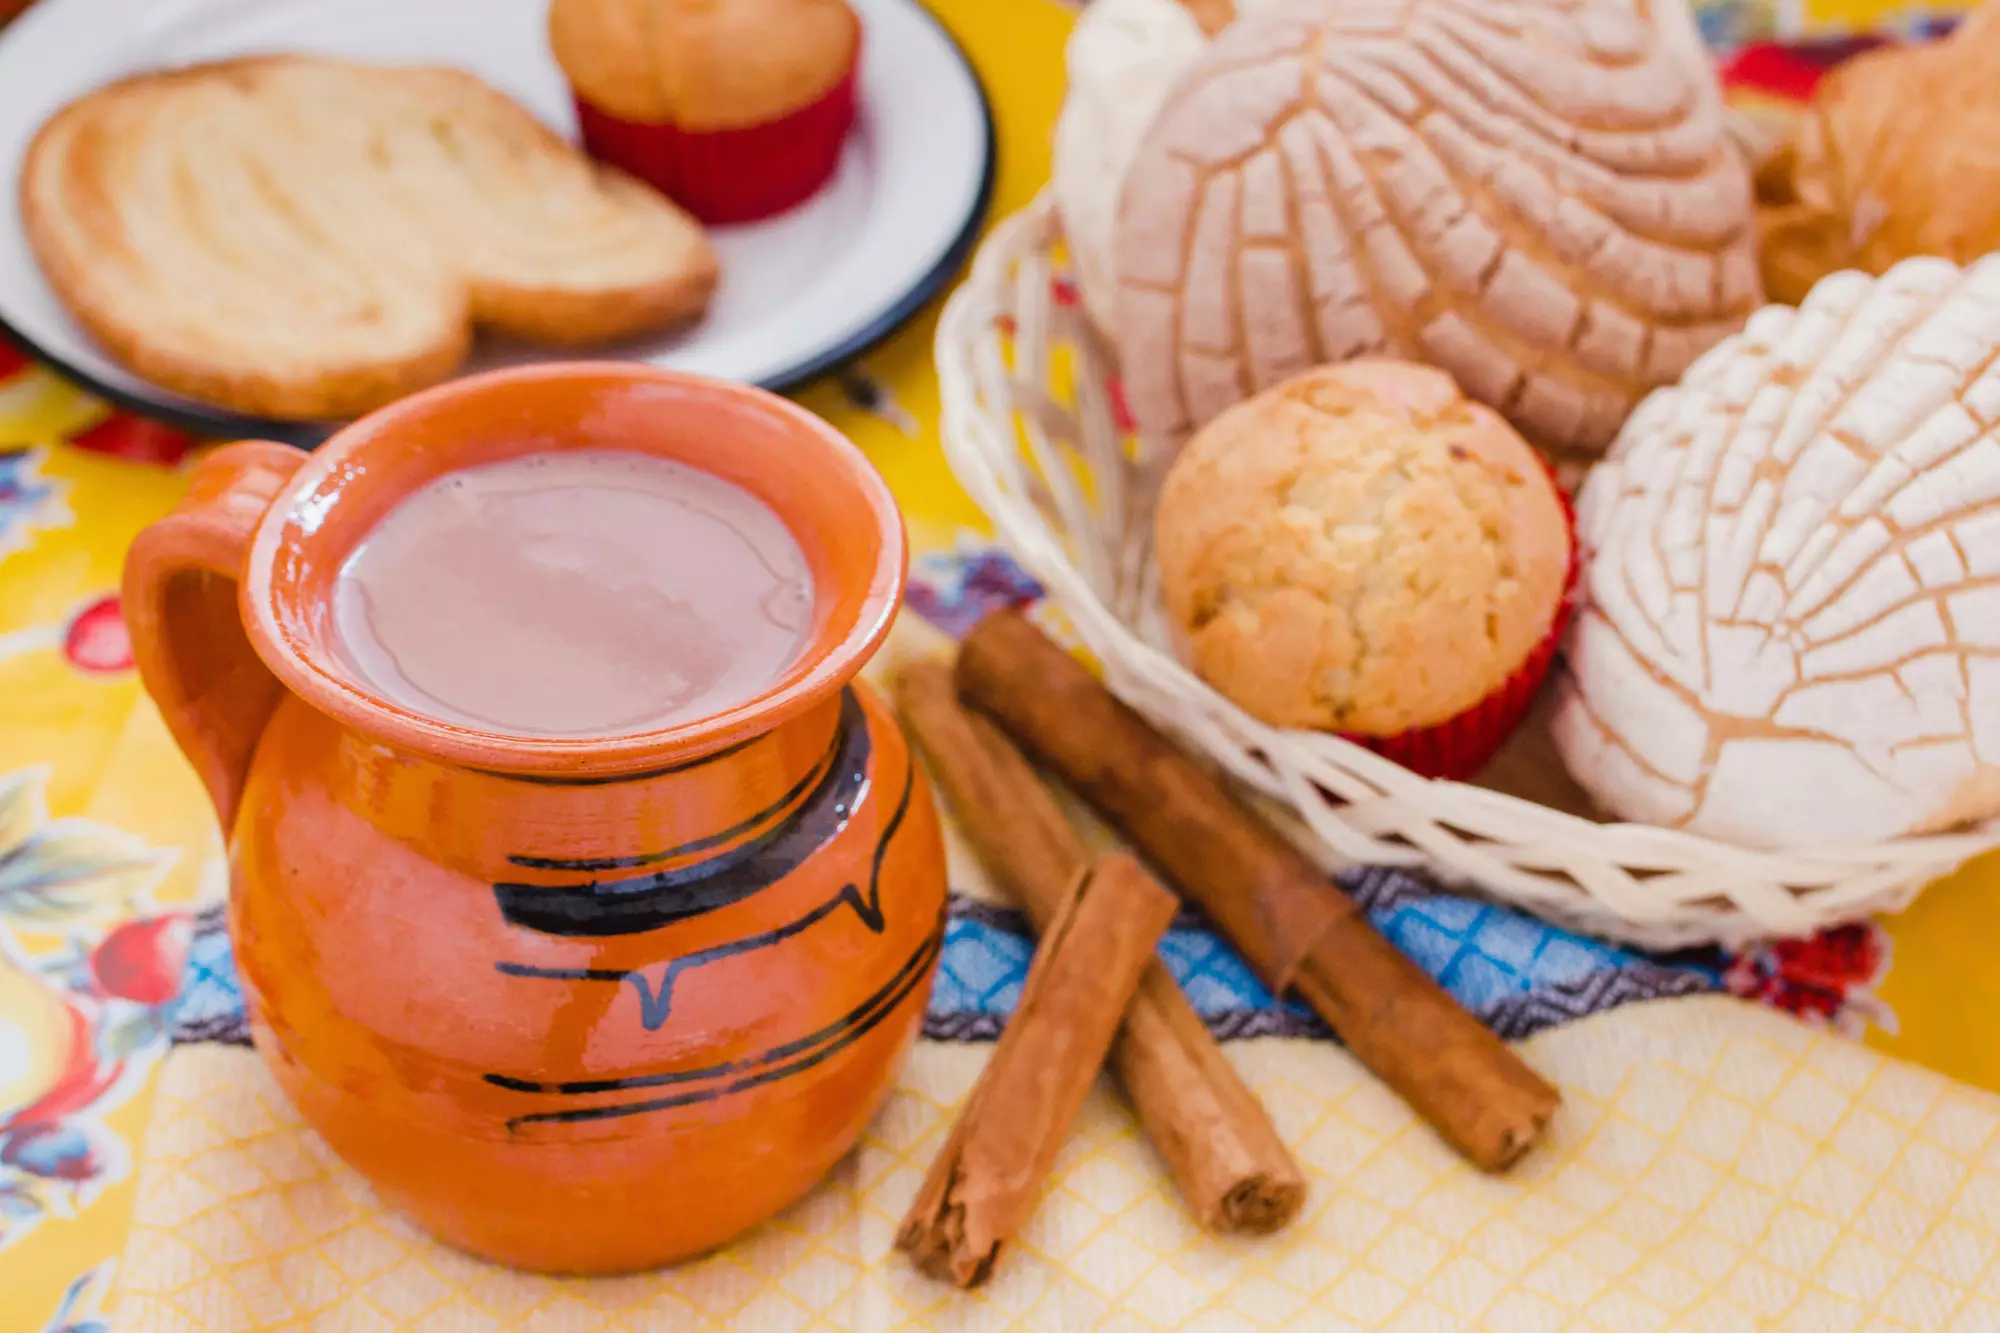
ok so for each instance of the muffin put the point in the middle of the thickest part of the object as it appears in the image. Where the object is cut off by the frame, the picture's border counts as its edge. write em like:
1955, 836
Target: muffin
1363, 550
736, 109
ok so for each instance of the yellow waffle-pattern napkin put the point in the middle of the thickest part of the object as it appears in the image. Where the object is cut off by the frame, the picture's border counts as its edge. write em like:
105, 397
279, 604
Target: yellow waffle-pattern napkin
1716, 1167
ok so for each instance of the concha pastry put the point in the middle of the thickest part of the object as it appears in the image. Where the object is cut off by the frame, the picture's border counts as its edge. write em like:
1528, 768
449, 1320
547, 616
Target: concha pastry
1792, 628
1539, 197
1123, 58
1885, 164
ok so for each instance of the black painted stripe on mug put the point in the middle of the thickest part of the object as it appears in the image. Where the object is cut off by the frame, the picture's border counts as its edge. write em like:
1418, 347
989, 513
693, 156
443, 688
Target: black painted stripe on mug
613, 779
648, 902
860, 1013
656, 1003
821, 771
913, 976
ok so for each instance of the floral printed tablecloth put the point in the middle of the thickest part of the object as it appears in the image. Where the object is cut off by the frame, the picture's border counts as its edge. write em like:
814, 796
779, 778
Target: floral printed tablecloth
110, 864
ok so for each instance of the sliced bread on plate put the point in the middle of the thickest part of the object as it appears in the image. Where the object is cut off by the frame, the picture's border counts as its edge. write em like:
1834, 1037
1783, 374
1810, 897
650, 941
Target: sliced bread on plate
308, 238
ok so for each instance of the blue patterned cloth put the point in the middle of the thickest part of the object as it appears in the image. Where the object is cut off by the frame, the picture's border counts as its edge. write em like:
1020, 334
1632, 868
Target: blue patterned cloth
211, 999
25, 495
1516, 973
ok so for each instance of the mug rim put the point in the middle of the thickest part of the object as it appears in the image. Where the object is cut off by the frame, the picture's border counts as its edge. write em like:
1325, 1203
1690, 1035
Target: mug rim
824, 666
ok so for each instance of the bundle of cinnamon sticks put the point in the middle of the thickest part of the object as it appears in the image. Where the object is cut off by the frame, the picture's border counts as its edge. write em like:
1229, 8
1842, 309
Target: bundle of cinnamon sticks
1095, 988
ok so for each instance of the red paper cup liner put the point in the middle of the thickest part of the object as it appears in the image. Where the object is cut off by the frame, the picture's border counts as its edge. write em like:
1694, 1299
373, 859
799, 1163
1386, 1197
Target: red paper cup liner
1457, 748
736, 175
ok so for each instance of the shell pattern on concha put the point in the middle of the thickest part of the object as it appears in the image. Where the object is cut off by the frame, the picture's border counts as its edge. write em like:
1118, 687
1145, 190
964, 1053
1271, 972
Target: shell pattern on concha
1123, 58
1537, 196
1791, 634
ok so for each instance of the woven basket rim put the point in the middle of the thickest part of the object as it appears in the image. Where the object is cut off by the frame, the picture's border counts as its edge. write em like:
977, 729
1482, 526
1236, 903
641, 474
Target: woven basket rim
1570, 868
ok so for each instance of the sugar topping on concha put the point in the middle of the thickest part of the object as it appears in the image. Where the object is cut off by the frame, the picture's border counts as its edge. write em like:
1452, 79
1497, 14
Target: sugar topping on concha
1791, 635
1538, 197
1123, 57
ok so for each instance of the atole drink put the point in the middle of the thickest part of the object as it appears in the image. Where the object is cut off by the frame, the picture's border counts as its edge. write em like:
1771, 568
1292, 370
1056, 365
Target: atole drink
592, 592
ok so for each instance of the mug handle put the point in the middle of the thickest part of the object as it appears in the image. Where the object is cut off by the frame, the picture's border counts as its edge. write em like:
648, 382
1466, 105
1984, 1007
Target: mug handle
180, 604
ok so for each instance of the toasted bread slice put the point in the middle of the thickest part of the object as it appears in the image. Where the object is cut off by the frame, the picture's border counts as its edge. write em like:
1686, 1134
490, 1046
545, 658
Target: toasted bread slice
309, 239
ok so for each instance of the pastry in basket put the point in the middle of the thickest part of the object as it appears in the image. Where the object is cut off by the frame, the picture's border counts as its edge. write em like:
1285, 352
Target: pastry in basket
738, 109
309, 239
1123, 58
1363, 550
1538, 197
1885, 164
1790, 630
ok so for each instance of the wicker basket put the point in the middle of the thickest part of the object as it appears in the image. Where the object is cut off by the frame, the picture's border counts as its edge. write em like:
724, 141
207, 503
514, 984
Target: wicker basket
1031, 427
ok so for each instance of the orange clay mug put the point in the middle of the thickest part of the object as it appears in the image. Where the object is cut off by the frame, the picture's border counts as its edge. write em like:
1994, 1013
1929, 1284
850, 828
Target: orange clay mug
575, 1005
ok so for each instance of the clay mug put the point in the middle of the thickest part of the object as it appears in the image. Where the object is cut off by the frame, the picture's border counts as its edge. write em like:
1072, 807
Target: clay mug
573, 1005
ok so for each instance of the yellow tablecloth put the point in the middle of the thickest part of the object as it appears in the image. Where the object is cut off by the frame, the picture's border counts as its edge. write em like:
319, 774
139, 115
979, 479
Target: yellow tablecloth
106, 842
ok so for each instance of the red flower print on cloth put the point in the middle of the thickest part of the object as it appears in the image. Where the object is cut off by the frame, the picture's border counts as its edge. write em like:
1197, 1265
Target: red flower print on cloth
93, 638
1787, 71
135, 440
96, 639
81, 1025
141, 960
1827, 979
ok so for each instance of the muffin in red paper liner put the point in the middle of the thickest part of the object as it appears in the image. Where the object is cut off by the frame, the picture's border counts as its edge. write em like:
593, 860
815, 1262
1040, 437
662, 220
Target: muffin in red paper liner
1364, 550
1459, 747
735, 109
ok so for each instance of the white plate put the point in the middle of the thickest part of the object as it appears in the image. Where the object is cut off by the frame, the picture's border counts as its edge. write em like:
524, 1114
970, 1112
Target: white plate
800, 293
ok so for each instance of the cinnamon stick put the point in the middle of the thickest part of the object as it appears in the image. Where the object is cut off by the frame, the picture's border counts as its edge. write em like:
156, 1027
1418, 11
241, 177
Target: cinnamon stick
988, 1177
1272, 902
1232, 1168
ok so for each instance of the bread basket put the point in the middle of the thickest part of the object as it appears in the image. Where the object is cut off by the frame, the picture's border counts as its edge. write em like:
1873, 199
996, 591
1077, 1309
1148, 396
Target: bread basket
1031, 428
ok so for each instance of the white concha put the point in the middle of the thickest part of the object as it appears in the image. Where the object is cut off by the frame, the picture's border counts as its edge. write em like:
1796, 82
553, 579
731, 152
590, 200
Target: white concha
1538, 196
1791, 629
1123, 57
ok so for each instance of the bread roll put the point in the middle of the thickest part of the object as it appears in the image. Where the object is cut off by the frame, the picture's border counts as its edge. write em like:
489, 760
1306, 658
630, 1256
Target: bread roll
310, 239
1538, 197
1885, 164
1791, 629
